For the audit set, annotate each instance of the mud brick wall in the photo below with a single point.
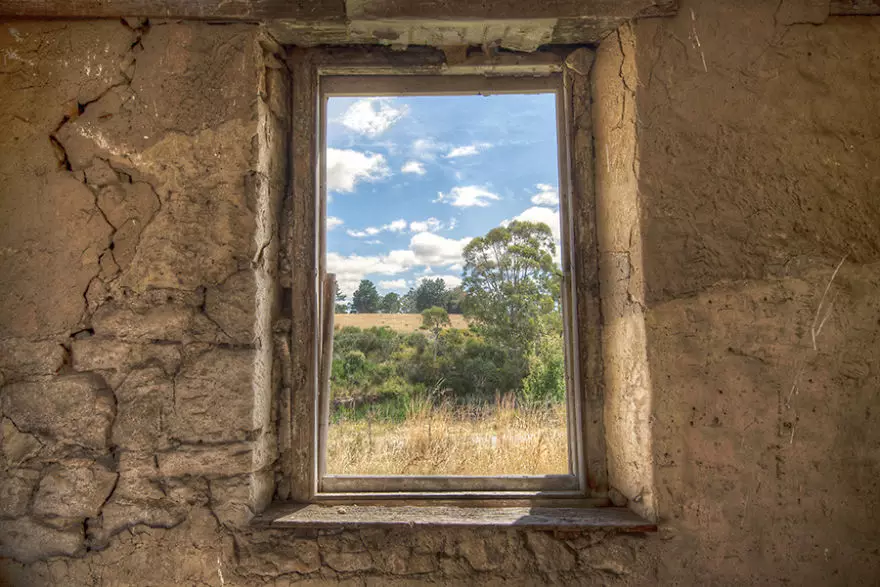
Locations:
(142, 170)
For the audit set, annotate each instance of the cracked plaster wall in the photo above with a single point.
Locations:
(138, 190)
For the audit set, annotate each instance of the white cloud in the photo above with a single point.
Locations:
(467, 196)
(425, 249)
(426, 149)
(333, 222)
(345, 168)
(429, 225)
(393, 284)
(451, 281)
(395, 226)
(545, 215)
(372, 116)
(432, 249)
(413, 167)
(351, 269)
(546, 196)
(467, 150)
(548, 217)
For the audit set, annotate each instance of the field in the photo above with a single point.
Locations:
(441, 440)
(397, 322)
(406, 401)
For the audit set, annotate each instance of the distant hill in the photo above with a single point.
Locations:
(398, 322)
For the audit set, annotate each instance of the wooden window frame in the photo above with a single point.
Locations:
(318, 74)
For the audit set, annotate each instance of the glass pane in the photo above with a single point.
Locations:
(443, 232)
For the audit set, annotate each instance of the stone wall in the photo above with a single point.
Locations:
(141, 174)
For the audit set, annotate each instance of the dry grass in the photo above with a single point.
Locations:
(397, 322)
(443, 440)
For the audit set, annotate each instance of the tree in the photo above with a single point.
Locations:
(365, 299)
(512, 283)
(390, 304)
(341, 306)
(435, 319)
(408, 302)
(430, 293)
(454, 300)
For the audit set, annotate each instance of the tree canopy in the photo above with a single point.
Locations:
(390, 304)
(512, 283)
(365, 299)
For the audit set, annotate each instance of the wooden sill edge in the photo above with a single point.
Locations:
(337, 517)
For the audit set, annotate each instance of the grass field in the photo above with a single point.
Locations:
(397, 322)
(442, 440)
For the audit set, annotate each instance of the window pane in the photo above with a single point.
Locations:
(443, 232)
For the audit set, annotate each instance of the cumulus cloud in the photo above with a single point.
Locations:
(333, 222)
(345, 168)
(433, 249)
(415, 167)
(429, 225)
(351, 269)
(467, 196)
(393, 284)
(425, 249)
(547, 216)
(467, 150)
(395, 226)
(546, 196)
(372, 116)
(540, 214)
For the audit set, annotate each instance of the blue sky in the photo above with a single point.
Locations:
(412, 179)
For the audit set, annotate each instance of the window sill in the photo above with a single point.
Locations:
(336, 517)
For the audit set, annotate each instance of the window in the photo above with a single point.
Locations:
(320, 77)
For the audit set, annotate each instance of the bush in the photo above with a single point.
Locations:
(544, 383)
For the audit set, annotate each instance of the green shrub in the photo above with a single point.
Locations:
(545, 381)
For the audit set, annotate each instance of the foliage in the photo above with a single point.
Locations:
(341, 305)
(430, 293)
(513, 348)
(435, 319)
(511, 282)
(365, 299)
(545, 382)
(390, 304)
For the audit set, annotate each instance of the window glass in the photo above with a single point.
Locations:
(443, 231)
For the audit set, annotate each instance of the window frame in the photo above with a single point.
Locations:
(318, 74)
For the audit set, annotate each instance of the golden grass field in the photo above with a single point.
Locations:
(438, 440)
(398, 322)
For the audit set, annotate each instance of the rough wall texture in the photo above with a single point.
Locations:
(759, 171)
(134, 204)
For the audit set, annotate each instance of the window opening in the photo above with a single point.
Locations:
(442, 229)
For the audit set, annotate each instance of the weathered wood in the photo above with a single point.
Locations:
(520, 34)
(854, 7)
(304, 286)
(243, 10)
(328, 304)
(428, 61)
(502, 9)
(531, 518)
(428, 85)
(585, 270)
(340, 10)
(437, 483)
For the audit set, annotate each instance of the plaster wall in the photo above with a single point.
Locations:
(142, 174)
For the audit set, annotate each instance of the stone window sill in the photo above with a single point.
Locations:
(336, 517)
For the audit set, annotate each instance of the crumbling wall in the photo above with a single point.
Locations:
(141, 174)
(759, 174)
